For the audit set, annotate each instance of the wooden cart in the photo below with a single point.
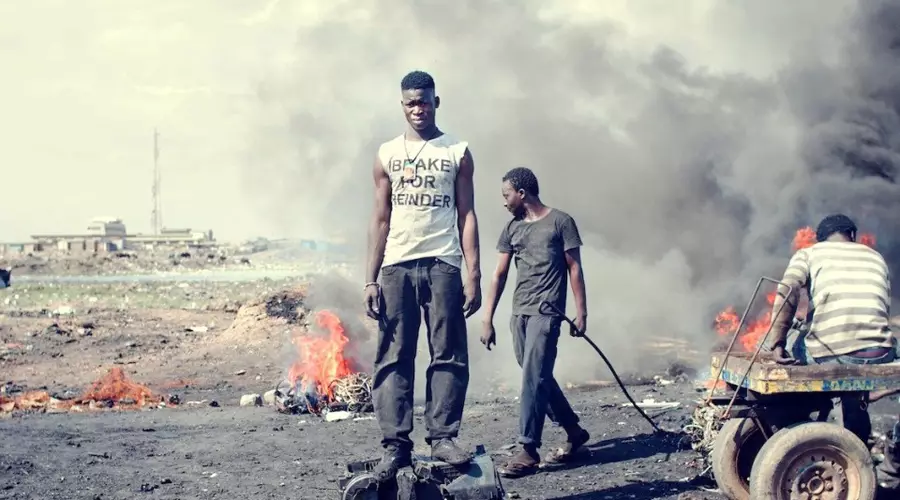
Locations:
(777, 441)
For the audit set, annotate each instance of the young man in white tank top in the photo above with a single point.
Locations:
(422, 230)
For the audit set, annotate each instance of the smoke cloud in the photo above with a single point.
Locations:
(689, 142)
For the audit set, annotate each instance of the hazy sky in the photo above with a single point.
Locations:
(86, 82)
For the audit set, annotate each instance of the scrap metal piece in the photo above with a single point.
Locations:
(287, 402)
(480, 481)
(406, 484)
(427, 479)
(361, 487)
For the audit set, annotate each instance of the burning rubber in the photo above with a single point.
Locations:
(426, 479)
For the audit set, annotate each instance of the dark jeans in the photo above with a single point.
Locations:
(408, 289)
(854, 405)
(889, 470)
(535, 340)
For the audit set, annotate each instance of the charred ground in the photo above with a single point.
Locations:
(209, 343)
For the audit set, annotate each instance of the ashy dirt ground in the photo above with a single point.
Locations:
(209, 343)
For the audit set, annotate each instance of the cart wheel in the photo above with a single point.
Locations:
(734, 451)
(814, 460)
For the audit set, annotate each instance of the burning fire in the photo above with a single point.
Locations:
(728, 320)
(113, 389)
(320, 359)
(116, 387)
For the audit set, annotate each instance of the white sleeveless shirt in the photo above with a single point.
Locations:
(423, 199)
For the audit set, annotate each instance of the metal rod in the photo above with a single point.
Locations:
(733, 340)
(761, 342)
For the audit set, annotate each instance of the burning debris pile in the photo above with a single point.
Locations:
(113, 390)
(727, 321)
(322, 378)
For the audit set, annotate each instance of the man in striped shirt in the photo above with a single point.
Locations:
(849, 292)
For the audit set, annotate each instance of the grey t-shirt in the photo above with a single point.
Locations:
(539, 249)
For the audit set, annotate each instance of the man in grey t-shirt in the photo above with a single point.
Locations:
(545, 243)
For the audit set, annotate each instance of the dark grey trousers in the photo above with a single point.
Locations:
(889, 470)
(535, 340)
(409, 289)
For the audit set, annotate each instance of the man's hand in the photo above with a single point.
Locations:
(778, 355)
(373, 301)
(580, 324)
(489, 336)
(782, 357)
(472, 292)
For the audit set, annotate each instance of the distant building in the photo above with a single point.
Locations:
(108, 234)
(107, 226)
(171, 237)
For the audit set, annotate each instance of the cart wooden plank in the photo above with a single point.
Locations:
(768, 377)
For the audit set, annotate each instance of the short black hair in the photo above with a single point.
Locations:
(835, 223)
(417, 80)
(523, 178)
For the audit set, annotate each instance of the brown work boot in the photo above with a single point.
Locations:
(394, 459)
(446, 450)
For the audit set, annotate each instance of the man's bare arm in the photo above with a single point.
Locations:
(781, 323)
(467, 220)
(498, 283)
(796, 276)
(576, 276)
(379, 226)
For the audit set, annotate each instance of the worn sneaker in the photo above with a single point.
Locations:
(446, 450)
(393, 460)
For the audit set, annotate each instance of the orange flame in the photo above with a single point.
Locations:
(320, 359)
(805, 238)
(727, 321)
(114, 387)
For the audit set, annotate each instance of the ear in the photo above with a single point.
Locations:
(437, 102)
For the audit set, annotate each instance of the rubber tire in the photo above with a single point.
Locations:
(787, 444)
(738, 440)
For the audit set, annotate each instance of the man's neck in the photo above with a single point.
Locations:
(535, 210)
(425, 134)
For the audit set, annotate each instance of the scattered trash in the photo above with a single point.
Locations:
(663, 382)
(334, 416)
(251, 400)
(651, 403)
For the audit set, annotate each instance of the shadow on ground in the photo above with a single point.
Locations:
(643, 490)
(622, 449)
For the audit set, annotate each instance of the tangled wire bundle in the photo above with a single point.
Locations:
(702, 431)
(354, 391)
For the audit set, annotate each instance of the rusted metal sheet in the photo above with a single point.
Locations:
(772, 378)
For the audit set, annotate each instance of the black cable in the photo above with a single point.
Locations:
(579, 333)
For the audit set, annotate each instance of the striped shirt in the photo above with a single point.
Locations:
(849, 289)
